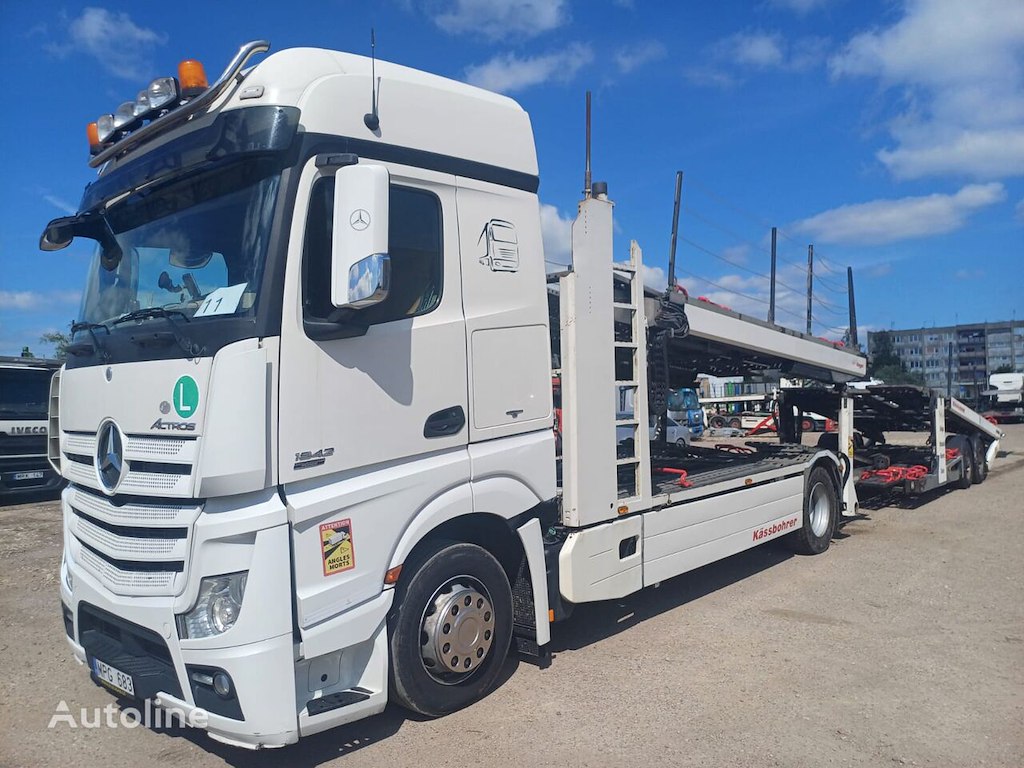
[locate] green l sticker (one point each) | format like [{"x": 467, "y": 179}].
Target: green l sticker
[{"x": 186, "y": 397}]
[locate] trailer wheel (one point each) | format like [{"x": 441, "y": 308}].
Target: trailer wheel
[
  {"x": 451, "y": 630},
  {"x": 807, "y": 425},
  {"x": 980, "y": 459},
  {"x": 963, "y": 445},
  {"x": 735, "y": 423},
  {"x": 820, "y": 506},
  {"x": 716, "y": 422}
]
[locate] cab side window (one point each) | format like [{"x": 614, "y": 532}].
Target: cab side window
[{"x": 414, "y": 245}]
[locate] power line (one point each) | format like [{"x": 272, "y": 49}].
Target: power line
[
  {"x": 736, "y": 293},
  {"x": 745, "y": 268}
]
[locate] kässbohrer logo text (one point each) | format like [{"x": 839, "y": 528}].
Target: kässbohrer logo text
[{"x": 771, "y": 530}]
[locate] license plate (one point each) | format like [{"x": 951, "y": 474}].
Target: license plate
[
  {"x": 27, "y": 476},
  {"x": 113, "y": 677}
]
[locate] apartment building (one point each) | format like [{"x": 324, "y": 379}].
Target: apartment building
[{"x": 958, "y": 356}]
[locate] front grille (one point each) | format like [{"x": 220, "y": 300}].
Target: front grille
[
  {"x": 134, "y": 548},
  {"x": 157, "y": 466},
  {"x": 135, "y": 650},
  {"x": 23, "y": 445}
]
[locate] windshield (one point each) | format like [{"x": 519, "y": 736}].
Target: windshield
[
  {"x": 683, "y": 400},
  {"x": 195, "y": 245},
  {"x": 24, "y": 393}
]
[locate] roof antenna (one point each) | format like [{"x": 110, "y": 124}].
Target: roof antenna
[{"x": 372, "y": 119}]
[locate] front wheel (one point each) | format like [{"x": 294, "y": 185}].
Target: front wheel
[
  {"x": 451, "y": 630},
  {"x": 821, "y": 505}
]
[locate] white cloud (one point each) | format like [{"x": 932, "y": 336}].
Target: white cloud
[
  {"x": 959, "y": 72},
  {"x": 704, "y": 75},
  {"x": 506, "y": 73},
  {"x": 755, "y": 49},
  {"x": 29, "y": 301},
  {"x": 556, "y": 232},
  {"x": 631, "y": 58},
  {"x": 738, "y": 254},
  {"x": 497, "y": 19},
  {"x": 769, "y": 50},
  {"x": 886, "y": 221},
  {"x": 733, "y": 56},
  {"x": 1018, "y": 211},
  {"x": 120, "y": 45},
  {"x": 800, "y": 6},
  {"x": 969, "y": 274}
]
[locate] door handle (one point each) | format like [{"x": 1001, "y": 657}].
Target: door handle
[{"x": 449, "y": 421}]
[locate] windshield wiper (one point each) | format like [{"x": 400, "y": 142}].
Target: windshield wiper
[
  {"x": 147, "y": 312},
  {"x": 84, "y": 348},
  {"x": 186, "y": 344}
]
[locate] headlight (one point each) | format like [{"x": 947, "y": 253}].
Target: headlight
[
  {"x": 142, "y": 103},
  {"x": 69, "y": 580},
  {"x": 124, "y": 114},
  {"x": 218, "y": 606},
  {"x": 162, "y": 92},
  {"x": 105, "y": 127}
]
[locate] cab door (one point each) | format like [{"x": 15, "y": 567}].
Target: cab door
[{"x": 361, "y": 417}]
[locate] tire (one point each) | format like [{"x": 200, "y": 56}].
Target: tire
[
  {"x": 807, "y": 425},
  {"x": 716, "y": 422},
  {"x": 980, "y": 460},
  {"x": 445, "y": 580},
  {"x": 963, "y": 445},
  {"x": 735, "y": 423},
  {"x": 821, "y": 513},
  {"x": 681, "y": 443}
]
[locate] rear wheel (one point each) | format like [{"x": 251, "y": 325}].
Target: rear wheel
[
  {"x": 980, "y": 459},
  {"x": 716, "y": 422},
  {"x": 807, "y": 425},
  {"x": 735, "y": 423},
  {"x": 451, "y": 631},
  {"x": 821, "y": 505},
  {"x": 963, "y": 445}
]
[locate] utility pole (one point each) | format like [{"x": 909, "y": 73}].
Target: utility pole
[
  {"x": 810, "y": 284},
  {"x": 949, "y": 372},
  {"x": 675, "y": 232},
  {"x": 586, "y": 171},
  {"x": 853, "y": 307},
  {"x": 771, "y": 299}
]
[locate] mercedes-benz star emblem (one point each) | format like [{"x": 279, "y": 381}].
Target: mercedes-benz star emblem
[
  {"x": 360, "y": 219},
  {"x": 110, "y": 463}
]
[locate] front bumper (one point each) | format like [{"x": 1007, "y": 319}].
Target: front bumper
[
  {"x": 273, "y": 685},
  {"x": 263, "y": 666}
]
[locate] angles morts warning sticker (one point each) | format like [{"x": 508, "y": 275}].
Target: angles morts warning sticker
[{"x": 336, "y": 547}]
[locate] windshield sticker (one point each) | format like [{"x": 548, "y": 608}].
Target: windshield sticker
[
  {"x": 223, "y": 301},
  {"x": 336, "y": 547}
]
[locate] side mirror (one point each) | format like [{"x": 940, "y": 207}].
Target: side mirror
[
  {"x": 360, "y": 267},
  {"x": 58, "y": 234}
]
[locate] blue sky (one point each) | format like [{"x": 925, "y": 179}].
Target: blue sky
[{"x": 888, "y": 133}]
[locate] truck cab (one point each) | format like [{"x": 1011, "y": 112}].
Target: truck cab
[
  {"x": 24, "y": 401},
  {"x": 307, "y": 350}
]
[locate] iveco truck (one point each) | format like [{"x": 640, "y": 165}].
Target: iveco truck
[
  {"x": 24, "y": 407},
  {"x": 307, "y": 412}
]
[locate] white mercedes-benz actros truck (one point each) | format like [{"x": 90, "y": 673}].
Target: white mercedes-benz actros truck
[{"x": 307, "y": 413}]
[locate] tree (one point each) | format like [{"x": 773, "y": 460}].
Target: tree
[
  {"x": 1004, "y": 369},
  {"x": 882, "y": 354},
  {"x": 26, "y": 352},
  {"x": 60, "y": 342},
  {"x": 897, "y": 374}
]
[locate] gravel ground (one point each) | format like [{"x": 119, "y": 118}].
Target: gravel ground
[{"x": 902, "y": 645}]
